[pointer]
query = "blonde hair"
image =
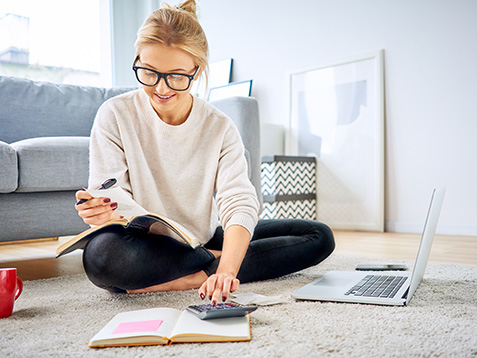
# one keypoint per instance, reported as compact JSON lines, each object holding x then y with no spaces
{"x":178,"y":27}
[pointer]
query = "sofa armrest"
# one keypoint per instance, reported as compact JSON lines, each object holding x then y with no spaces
{"x":244,"y":113}
{"x":9,"y":168}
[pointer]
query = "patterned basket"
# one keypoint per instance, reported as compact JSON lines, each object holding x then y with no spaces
{"x":289,"y":187}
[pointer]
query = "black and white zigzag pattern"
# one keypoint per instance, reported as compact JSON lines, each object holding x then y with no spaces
{"x":299,"y":209}
{"x":286,"y":178}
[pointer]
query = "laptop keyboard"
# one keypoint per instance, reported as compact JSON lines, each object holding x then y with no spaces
{"x":377,"y":286}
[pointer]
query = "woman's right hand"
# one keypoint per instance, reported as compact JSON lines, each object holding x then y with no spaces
{"x":95,"y":211}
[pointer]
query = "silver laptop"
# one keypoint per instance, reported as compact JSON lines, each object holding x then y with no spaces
{"x":384,"y":288}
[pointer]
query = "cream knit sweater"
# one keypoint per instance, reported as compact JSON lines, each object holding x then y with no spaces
{"x":174,"y":171}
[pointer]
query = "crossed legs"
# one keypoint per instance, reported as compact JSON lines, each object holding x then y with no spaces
{"x":123,"y":260}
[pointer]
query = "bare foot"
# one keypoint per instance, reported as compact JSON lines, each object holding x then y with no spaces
{"x":191,"y":281}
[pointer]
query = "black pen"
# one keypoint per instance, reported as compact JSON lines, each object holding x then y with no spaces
{"x":106,"y":185}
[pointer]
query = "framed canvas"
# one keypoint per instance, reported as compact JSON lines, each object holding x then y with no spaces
{"x":337,"y":115}
{"x":243,"y":89}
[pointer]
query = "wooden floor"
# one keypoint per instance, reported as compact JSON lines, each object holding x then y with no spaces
{"x":36,"y":260}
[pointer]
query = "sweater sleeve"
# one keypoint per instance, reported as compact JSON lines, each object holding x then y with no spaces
{"x":107,"y":158}
{"x":237,"y":201}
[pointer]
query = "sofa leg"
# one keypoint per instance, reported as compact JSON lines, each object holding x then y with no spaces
{"x":29,"y":241}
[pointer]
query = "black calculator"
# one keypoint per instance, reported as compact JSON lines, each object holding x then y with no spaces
{"x":221,"y":310}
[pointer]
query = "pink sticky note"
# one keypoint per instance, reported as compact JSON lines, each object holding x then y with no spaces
{"x":138,"y":326}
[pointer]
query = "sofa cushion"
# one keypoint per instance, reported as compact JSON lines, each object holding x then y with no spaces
{"x":52,"y":163}
{"x":32,"y":109}
{"x":9,"y":168}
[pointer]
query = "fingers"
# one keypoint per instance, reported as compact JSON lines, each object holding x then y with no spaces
{"x":235,"y":285}
{"x":226,"y":288}
{"x":203,"y":290}
{"x":210,"y":286}
{"x":83,"y":194}
{"x":218,"y":287}
{"x":94,"y":211}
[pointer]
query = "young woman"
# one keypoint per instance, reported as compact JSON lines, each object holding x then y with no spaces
{"x":171,"y":152}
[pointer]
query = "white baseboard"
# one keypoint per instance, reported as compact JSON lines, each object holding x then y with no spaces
{"x":465,"y":229}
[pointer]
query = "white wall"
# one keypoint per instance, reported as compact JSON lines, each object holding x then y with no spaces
{"x":126,"y":18}
{"x":430,"y":74}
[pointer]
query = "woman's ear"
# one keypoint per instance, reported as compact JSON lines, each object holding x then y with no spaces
{"x":199,"y":73}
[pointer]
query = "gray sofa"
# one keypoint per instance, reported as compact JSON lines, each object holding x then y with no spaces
{"x":44,"y":139}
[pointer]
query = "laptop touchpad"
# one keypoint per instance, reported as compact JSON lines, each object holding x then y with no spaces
{"x":334,"y":281}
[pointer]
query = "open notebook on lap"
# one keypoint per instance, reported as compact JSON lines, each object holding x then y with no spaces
{"x":384,"y":288}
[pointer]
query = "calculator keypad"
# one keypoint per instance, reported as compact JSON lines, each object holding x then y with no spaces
{"x":209,"y":307}
{"x":220,"y":310}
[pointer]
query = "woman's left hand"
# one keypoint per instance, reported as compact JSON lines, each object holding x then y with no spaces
{"x":218,"y":286}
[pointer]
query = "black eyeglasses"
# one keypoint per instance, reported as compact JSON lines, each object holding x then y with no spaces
{"x":175,"y":81}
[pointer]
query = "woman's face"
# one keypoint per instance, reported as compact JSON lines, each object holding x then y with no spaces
{"x":171,"y":106}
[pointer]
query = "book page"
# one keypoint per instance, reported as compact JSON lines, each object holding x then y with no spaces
{"x":167,"y":227}
{"x":127,"y":207}
{"x":190,"y":325}
{"x":158,"y":322}
{"x":161,"y":227}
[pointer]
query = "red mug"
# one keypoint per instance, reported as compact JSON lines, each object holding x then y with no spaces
{"x":10,"y":288}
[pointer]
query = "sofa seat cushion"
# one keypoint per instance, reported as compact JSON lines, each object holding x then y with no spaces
{"x":9,"y":168}
{"x":52,"y":163}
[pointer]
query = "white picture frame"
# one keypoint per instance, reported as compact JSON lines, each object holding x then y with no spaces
{"x":241,"y":89}
{"x":337,"y":114}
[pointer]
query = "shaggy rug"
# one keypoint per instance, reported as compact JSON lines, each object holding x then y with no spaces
{"x":57,"y":317}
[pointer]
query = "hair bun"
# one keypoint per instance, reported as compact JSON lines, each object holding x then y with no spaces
{"x":189,"y":6}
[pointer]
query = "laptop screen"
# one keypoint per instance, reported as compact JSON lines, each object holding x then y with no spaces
{"x":426,"y":241}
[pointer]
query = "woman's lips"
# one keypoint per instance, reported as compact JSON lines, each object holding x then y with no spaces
{"x":163,"y":98}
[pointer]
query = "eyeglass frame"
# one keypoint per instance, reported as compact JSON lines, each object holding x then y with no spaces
{"x":164,"y":76}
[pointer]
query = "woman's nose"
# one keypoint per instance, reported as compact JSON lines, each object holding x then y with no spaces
{"x":161,"y":86}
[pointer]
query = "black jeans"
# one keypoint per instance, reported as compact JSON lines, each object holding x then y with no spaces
{"x":127,"y":259}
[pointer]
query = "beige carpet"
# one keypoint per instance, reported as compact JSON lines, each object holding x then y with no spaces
{"x":57,"y":317}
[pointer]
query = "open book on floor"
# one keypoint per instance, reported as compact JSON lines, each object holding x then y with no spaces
{"x":132,"y":213}
{"x":167,"y":326}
